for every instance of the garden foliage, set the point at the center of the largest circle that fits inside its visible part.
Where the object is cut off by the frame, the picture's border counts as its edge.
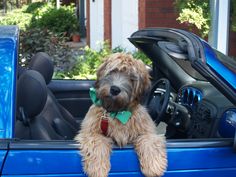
(196, 13)
(43, 28)
(87, 64)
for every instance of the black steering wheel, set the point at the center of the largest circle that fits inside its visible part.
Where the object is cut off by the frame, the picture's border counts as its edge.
(158, 99)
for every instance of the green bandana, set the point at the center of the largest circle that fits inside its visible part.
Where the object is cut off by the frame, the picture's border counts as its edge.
(122, 116)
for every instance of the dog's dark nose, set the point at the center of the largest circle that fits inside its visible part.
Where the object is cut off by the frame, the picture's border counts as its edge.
(114, 90)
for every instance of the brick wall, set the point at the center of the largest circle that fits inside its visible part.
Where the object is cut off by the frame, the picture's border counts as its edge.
(232, 44)
(88, 22)
(158, 13)
(107, 21)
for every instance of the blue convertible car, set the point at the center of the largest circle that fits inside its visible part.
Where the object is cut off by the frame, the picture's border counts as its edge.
(193, 94)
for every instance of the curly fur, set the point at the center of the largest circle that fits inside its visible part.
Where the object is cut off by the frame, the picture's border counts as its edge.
(132, 78)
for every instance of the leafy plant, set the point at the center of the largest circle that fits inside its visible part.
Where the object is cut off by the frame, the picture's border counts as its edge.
(233, 16)
(33, 7)
(195, 13)
(87, 64)
(16, 17)
(56, 20)
(37, 40)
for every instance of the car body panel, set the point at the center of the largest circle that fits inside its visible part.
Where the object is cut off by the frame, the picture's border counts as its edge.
(55, 158)
(3, 153)
(8, 59)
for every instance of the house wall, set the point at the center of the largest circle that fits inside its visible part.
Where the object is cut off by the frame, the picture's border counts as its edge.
(124, 21)
(96, 23)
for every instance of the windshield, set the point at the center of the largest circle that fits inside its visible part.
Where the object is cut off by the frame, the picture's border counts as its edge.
(187, 67)
(229, 62)
(223, 66)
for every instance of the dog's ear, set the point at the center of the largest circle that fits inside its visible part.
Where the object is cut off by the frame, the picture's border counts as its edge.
(143, 83)
(101, 69)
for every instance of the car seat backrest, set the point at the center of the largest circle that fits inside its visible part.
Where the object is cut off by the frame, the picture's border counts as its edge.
(31, 93)
(42, 63)
(31, 100)
(60, 118)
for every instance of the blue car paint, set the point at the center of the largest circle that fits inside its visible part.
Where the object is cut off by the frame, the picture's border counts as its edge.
(182, 162)
(8, 60)
(3, 153)
(227, 124)
(218, 67)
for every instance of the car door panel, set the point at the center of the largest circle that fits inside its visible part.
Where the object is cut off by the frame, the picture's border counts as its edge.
(63, 159)
(73, 95)
(134, 174)
(3, 153)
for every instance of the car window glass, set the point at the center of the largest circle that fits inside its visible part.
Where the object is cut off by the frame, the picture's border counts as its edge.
(227, 61)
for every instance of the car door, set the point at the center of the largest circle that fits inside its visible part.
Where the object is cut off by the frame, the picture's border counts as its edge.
(61, 158)
(73, 95)
(3, 153)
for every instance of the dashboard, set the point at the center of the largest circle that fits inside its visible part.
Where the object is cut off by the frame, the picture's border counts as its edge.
(211, 113)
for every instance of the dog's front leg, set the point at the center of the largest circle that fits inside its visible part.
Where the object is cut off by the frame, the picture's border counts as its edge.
(95, 151)
(151, 149)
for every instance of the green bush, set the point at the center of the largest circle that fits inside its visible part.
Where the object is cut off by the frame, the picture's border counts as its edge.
(56, 20)
(16, 17)
(33, 7)
(37, 40)
(195, 13)
(233, 16)
(44, 16)
(87, 64)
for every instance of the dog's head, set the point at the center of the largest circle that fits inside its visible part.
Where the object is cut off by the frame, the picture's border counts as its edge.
(121, 82)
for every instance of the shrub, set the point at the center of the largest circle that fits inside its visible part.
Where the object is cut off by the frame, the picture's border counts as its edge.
(33, 7)
(37, 40)
(56, 20)
(16, 17)
(87, 64)
(195, 13)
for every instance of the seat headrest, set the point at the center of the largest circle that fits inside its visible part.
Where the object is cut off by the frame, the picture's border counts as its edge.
(31, 93)
(42, 63)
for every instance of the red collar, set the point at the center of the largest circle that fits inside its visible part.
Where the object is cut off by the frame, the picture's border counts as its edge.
(104, 126)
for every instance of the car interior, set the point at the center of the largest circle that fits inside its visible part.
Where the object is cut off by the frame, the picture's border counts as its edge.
(181, 98)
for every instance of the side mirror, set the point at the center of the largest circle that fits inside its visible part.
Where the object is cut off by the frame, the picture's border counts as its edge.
(227, 126)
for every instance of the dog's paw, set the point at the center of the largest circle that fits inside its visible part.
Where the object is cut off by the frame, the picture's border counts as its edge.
(96, 167)
(97, 172)
(95, 152)
(151, 150)
(154, 166)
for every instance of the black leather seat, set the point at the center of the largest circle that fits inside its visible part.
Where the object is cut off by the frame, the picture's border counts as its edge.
(62, 122)
(31, 99)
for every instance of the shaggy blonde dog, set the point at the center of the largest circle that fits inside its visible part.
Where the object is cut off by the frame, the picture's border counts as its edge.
(121, 82)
